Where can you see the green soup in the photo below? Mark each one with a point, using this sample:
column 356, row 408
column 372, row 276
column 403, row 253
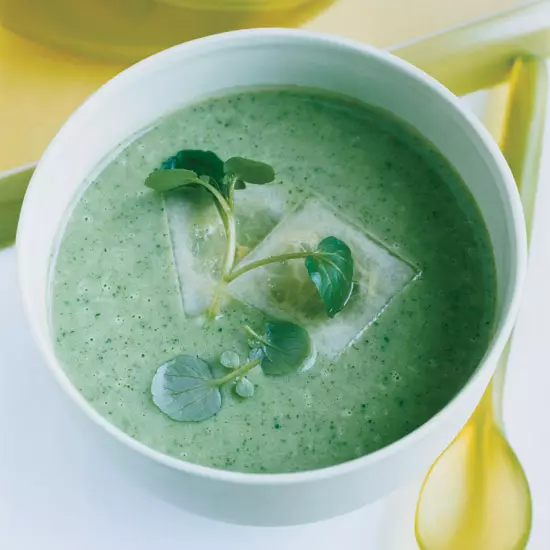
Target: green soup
column 120, row 288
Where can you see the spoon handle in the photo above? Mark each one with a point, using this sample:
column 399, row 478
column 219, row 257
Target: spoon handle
column 521, row 144
column 523, row 132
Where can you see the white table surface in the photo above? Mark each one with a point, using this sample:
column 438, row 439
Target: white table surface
column 58, row 492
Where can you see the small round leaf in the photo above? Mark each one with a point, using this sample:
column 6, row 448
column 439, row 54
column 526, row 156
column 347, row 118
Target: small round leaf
column 249, row 171
column 163, row 181
column 230, row 359
column 244, row 388
column 285, row 347
column 330, row 267
column 183, row 389
column 203, row 163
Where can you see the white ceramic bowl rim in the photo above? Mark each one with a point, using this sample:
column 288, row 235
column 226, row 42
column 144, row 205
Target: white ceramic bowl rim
column 497, row 344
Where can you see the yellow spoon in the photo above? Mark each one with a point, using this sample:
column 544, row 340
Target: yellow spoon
column 476, row 495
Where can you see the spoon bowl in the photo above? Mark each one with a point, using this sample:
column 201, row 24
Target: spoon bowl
column 476, row 495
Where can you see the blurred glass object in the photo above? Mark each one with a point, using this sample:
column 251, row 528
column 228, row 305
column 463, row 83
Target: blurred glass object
column 480, row 54
column 127, row 30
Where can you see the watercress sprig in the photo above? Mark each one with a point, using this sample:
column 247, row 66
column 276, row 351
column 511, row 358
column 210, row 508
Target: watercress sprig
column 330, row 265
column 205, row 169
column 185, row 389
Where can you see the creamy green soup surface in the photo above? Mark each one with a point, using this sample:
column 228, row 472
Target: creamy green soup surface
column 116, row 291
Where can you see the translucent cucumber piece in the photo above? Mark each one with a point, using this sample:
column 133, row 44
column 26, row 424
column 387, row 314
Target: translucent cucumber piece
column 198, row 238
column 285, row 291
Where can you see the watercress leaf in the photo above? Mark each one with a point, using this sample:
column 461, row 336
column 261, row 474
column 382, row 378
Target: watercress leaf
column 244, row 388
column 240, row 184
column 249, row 171
column 182, row 389
column 285, row 347
column 230, row 359
column 166, row 180
column 330, row 267
column 203, row 163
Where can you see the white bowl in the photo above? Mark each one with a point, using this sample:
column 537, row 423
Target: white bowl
column 184, row 73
